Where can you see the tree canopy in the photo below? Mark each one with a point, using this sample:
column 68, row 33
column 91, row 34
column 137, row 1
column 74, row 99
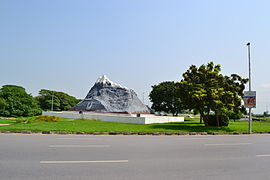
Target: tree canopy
column 61, row 101
column 15, row 102
column 164, row 98
column 204, row 89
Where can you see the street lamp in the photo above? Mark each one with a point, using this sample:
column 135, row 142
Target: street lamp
column 249, row 72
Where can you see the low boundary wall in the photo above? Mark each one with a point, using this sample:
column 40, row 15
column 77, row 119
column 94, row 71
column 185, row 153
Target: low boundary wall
column 124, row 118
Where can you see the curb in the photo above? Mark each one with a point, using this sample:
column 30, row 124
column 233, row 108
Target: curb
column 46, row 132
column 112, row 133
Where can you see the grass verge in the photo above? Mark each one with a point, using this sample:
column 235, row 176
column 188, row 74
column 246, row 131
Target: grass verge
column 90, row 126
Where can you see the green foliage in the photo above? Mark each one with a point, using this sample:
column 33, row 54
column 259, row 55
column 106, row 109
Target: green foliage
column 204, row 89
column 61, row 100
column 15, row 102
column 218, row 120
column 22, row 120
column 164, row 98
column 3, row 105
column 234, row 114
column 46, row 118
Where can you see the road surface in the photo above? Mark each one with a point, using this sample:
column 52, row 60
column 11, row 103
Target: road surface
column 72, row 157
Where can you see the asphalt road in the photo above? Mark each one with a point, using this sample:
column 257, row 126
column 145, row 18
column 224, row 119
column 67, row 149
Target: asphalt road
column 72, row 157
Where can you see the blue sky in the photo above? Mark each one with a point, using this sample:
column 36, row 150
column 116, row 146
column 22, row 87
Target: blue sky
column 65, row 45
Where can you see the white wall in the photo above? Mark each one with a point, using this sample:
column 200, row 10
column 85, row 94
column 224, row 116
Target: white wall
column 124, row 118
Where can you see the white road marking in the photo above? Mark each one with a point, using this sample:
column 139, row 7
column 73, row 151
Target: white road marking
column 196, row 138
column 263, row 155
column 230, row 144
column 80, row 162
column 78, row 138
column 77, row 146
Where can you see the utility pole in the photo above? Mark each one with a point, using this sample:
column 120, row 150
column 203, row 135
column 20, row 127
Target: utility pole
column 249, row 72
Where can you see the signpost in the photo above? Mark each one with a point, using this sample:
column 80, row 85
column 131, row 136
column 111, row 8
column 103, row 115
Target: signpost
column 249, row 96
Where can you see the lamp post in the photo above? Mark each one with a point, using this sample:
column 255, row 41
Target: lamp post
column 249, row 72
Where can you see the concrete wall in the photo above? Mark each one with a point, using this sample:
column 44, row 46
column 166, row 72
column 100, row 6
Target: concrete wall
column 124, row 118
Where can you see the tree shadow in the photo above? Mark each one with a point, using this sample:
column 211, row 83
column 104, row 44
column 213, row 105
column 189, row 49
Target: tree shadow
column 190, row 127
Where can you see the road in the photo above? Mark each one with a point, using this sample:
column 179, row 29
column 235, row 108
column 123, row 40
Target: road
column 72, row 157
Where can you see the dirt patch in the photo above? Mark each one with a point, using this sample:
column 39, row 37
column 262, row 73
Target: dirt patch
column 4, row 124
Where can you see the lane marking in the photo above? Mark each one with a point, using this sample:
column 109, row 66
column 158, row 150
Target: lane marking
column 79, row 138
column 80, row 162
column 263, row 155
column 196, row 138
column 77, row 146
column 231, row 144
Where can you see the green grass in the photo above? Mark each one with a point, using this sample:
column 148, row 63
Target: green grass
column 80, row 125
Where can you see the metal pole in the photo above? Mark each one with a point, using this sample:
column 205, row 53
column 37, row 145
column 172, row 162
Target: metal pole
column 249, row 72
column 52, row 104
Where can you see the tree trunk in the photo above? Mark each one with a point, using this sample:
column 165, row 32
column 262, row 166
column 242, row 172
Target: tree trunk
column 205, row 119
column 217, row 118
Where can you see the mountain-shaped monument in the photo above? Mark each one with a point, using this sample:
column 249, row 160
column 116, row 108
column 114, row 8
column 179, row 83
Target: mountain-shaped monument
column 107, row 96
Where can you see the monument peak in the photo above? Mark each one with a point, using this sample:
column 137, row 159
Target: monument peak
column 104, row 80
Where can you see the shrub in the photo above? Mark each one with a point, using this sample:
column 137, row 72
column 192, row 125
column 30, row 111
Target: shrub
column 46, row 118
column 221, row 120
column 234, row 114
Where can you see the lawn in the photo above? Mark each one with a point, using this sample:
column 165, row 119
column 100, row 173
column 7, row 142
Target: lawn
column 89, row 126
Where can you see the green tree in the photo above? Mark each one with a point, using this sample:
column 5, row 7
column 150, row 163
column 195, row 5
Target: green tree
column 234, row 114
column 15, row 102
column 164, row 98
column 61, row 101
column 204, row 90
column 3, row 106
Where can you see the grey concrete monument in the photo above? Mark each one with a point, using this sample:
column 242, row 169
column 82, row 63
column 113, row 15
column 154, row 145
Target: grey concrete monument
column 107, row 96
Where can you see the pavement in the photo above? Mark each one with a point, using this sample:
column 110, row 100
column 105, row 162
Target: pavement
column 123, row 157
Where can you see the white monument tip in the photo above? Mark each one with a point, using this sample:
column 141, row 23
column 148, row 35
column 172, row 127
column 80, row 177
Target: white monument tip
column 105, row 80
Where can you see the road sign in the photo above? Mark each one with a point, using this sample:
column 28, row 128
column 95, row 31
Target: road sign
column 250, row 99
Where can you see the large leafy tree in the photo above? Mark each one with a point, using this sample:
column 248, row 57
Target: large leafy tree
column 164, row 98
column 205, row 89
column 60, row 100
column 15, row 102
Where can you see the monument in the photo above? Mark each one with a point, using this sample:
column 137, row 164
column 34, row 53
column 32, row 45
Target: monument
column 107, row 96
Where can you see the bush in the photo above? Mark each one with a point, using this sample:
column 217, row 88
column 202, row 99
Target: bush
column 222, row 119
column 234, row 114
column 46, row 118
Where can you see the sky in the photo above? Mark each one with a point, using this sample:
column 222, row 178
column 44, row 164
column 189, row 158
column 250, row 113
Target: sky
column 66, row 45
